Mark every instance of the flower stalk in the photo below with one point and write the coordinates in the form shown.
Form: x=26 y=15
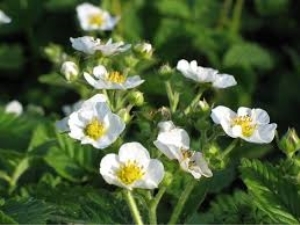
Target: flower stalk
x=133 y=208
x=181 y=202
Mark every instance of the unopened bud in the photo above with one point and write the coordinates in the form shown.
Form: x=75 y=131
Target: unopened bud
x=125 y=116
x=290 y=142
x=203 y=105
x=165 y=71
x=70 y=70
x=143 y=49
x=136 y=98
x=168 y=178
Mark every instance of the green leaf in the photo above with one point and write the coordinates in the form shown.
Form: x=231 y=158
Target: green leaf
x=230 y=209
x=11 y=57
x=272 y=193
x=54 y=79
x=28 y=210
x=272 y=7
x=5 y=219
x=249 y=56
x=72 y=160
x=178 y=8
x=15 y=128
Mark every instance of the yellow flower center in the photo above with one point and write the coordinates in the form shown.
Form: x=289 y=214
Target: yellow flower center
x=246 y=124
x=116 y=77
x=96 y=19
x=95 y=129
x=130 y=172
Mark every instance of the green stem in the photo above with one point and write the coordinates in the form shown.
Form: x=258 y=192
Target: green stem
x=230 y=147
x=154 y=204
x=236 y=18
x=194 y=102
x=133 y=208
x=224 y=13
x=173 y=97
x=181 y=201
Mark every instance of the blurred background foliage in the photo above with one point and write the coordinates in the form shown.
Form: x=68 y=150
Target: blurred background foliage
x=257 y=41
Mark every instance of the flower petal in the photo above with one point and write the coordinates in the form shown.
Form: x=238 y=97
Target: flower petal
x=154 y=175
x=260 y=116
x=108 y=166
x=221 y=113
x=224 y=81
x=99 y=71
x=134 y=151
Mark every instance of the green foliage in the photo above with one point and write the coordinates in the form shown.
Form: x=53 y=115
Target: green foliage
x=272 y=193
x=27 y=211
x=231 y=209
x=11 y=57
x=248 y=56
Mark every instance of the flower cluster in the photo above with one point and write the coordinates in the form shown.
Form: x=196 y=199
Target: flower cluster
x=112 y=68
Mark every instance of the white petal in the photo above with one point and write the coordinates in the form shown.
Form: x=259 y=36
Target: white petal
x=14 y=107
x=177 y=137
x=166 y=126
x=267 y=132
x=222 y=113
x=224 y=81
x=260 y=116
x=76 y=133
x=108 y=167
x=184 y=65
x=154 y=175
x=171 y=151
x=4 y=18
x=90 y=79
x=102 y=110
x=95 y=99
x=133 y=81
x=62 y=125
x=134 y=151
x=205 y=171
x=244 y=111
x=99 y=71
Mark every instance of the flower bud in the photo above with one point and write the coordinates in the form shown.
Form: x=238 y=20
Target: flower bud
x=204 y=105
x=70 y=70
x=165 y=71
x=143 y=49
x=290 y=142
x=125 y=116
x=168 y=178
x=136 y=98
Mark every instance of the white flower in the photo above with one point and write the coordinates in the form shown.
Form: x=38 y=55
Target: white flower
x=86 y=44
x=95 y=18
x=4 y=18
x=111 y=80
x=252 y=125
x=203 y=75
x=132 y=168
x=111 y=48
x=90 y=45
x=70 y=70
x=174 y=142
x=14 y=107
x=93 y=123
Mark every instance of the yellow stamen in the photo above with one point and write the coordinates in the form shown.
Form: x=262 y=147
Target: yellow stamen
x=186 y=154
x=96 y=19
x=116 y=77
x=95 y=129
x=246 y=124
x=130 y=172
